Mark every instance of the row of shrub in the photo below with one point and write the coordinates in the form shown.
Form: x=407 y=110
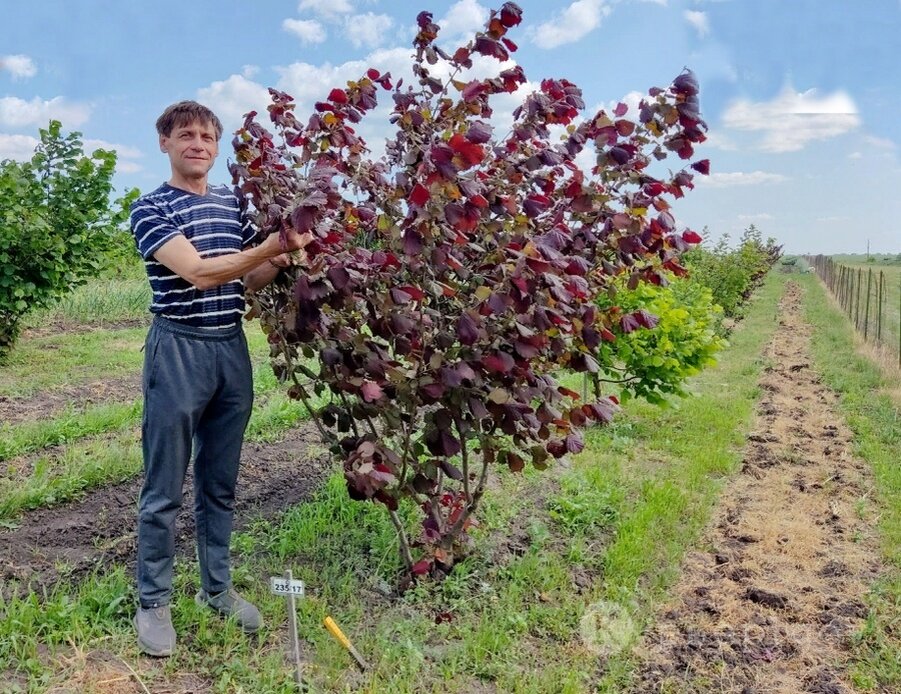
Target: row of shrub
x=733 y=272
x=688 y=315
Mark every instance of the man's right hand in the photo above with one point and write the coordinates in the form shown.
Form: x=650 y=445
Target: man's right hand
x=293 y=240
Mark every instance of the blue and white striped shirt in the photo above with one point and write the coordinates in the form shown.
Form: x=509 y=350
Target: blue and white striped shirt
x=215 y=226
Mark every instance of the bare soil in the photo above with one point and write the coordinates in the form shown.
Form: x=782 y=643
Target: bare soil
x=73 y=538
x=50 y=403
x=771 y=602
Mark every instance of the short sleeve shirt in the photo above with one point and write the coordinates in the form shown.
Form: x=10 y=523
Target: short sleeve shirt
x=215 y=225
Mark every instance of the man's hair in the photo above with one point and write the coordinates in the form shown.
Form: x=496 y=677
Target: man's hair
x=183 y=114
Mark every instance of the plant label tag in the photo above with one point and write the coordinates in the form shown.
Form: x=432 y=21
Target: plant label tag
x=283 y=586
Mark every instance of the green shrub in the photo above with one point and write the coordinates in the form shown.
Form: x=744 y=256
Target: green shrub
x=654 y=362
x=56 y=224
x=733 y=273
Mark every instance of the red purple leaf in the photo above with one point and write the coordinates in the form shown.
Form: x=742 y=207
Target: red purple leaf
x=574 y=443
x=511 y=14
x=467 y=329
x=479 y=132
x=686 y=83
x=371 y=391
x=471 y=152
x=499 y=362
x=451 y=470
x=702 y=166
x=420 y=195
x=515 y=462
x=422 y=567
x=339 y=96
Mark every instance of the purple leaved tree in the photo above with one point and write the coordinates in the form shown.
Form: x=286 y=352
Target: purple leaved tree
x=453 y=277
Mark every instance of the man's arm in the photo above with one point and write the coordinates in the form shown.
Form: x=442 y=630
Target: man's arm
x=264 y=273
x=182 y=258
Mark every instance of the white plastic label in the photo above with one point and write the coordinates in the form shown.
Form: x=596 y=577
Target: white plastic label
x=282 y=586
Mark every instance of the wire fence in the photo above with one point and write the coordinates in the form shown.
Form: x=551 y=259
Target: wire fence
x=870 y=297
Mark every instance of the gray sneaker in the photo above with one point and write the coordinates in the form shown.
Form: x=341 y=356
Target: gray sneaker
x=156 y=635
x=229 y=603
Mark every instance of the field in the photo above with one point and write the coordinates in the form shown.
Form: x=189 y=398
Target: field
x=747 y=538
x=890 y=268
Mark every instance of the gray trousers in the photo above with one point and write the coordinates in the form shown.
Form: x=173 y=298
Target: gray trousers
x=198 y=392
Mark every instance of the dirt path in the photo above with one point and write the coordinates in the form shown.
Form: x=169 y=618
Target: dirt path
x=73 y=538
x=770 y=603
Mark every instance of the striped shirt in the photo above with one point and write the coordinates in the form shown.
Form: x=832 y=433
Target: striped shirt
x=215 y=225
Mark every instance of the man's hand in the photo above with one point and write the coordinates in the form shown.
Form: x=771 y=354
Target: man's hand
x=292 y=240
x=282 y=261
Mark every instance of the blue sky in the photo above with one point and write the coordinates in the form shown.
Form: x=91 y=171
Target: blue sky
x=802 y=96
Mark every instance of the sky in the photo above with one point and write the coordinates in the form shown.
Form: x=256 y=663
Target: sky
x=802 y=97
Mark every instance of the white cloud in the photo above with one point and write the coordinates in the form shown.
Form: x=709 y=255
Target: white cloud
x=739 y=178
x=792 y=119
x=719 y=140
x=125 y=155
x=699 y=21
x=18 y=113
x=127 y=166
x=21 y=148
x=758 y=217
x=249 y=71
x=234 y=96
x=463 y=20
x=307 y=30
x=19 y=66
x=833 y=219
x=368 y=29
x=327 y=9
x=17 y=147
x=309 y=83
x=231 y=98
x=880 y=143
x=631 y=100
x=855 y=155
x=577 y=20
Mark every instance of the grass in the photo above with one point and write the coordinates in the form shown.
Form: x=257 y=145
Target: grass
x=890 y=336
x=102 y=444
x=509 y=618
x=98 y=303
x=876 y=423
x=20 y=439
x=81 y=466
x=57 y=360
x=114 y=457
x=622 y=513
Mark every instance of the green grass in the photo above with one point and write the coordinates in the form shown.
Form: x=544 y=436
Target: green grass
x=101 y=443
x=891 y=310
x=114 y=457
x=623 y=512
x=876 y=423
x=57 y=360
x=98 y=302
x=81 y=466
x=20 y=439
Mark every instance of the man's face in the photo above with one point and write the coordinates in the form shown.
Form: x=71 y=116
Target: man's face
x=192 y=149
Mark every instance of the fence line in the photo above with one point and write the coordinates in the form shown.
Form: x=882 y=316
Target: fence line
x=876 y=315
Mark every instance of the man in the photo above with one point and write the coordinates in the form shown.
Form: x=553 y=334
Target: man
x=199 y=256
